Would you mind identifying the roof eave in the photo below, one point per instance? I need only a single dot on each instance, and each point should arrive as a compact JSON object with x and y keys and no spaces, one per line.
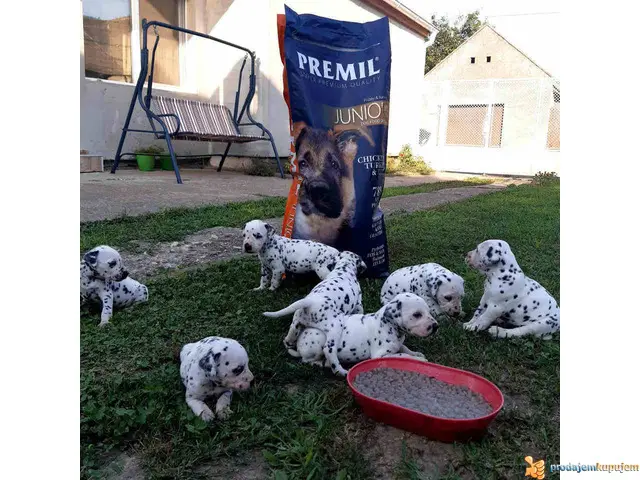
{"x":404,"y":16}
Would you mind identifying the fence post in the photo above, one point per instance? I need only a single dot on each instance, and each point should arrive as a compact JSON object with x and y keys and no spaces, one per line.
{"x":444,"y":113}
{"x":486,"y":131}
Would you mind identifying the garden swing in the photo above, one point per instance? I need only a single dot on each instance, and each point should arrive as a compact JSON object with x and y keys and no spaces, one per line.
{"x":180,"y":119}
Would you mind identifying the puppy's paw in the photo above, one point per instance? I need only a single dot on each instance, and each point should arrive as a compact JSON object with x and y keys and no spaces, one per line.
{"x":419,"y":356}
{"x":103,"y":323}
{"x":493,"y":331}
{"x":273,"y":287}
{"x":340,"y":371}
{"x":261,"y":287}
{"x":207,"y":415}
{"x":471,"y":326}
{"x":224,"y":412}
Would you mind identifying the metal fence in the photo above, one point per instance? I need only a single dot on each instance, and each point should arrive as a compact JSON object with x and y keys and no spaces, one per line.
{"x":492,"y":126}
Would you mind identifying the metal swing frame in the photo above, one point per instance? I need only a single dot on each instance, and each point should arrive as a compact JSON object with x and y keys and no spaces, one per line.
{"x":163,"y":131}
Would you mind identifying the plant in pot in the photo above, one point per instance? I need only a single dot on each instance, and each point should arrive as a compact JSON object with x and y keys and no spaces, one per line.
{"x":146,"y":157}
{"x":165,"y":161}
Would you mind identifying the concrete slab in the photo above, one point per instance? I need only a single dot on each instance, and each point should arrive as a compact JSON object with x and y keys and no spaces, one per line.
{"x":131,"y":192}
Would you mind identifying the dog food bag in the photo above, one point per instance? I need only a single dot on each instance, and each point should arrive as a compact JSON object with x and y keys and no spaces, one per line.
{"x":338,"y":79}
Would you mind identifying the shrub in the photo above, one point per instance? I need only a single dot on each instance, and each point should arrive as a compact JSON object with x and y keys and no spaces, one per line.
{"x":545,"y":178}
{"x":150,"y":150}
{"x":266,"y":167}
{"x":407,"y":162}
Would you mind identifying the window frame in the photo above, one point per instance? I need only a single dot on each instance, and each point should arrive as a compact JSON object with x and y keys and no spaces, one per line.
{"x":136,"y":46}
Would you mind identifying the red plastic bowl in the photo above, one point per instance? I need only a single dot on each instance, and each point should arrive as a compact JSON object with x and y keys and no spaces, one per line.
{"x":436,"y":428}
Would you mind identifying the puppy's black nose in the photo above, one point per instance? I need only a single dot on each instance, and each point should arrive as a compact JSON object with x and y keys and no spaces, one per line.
{"x":124,"y":275}
{"x":247,"y":247}
{"x":435,"y":328}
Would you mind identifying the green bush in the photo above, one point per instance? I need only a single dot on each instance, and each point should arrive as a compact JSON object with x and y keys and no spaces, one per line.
{"x":150,"y":150}
{"x":545,"y":178}
{"x":406,"y":162}
{"x":266,"y":167}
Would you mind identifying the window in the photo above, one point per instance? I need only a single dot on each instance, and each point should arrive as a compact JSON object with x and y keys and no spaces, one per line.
{"x":113,"y":38}
{"x":107,"y":39}
{"x":473,"y":59}
{"x":489,"y":59}
{"x":468,"y":125}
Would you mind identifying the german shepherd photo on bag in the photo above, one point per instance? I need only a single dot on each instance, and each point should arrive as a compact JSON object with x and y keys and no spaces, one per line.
{"x":337,"y":86}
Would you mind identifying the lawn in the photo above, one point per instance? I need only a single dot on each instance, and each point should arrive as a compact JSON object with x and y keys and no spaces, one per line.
{"x":176,"y":223}
{"x":298,"y":421}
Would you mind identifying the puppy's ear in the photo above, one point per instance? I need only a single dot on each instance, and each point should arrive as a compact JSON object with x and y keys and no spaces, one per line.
{"x":362,"y":266}
{"x":270,"y":229}
{"x":91,"y":257}
{"x":492,"y":255}
{"x":209,"y":361}
{"x":300,"y":130}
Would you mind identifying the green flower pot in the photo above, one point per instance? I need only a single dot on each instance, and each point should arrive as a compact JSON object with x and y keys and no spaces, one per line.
{"x":146,"y":163}
{"x":165,"y":162}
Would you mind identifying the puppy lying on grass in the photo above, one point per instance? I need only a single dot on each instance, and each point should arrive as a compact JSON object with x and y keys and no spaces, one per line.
{"x":213,"y":367}
{"x":104,"y":279}
{"x":375,"y":335}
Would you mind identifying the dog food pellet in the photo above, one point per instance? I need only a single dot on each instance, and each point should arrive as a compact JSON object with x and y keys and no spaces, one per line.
{"x":422,"y":393}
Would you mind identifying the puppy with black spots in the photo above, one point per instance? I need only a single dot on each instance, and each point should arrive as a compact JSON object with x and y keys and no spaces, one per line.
{"x":104,"y":279}
{"x":440,"y":288}
{"x":213,"y":367}
{"x":327,"y":306}
{"x":279,"y":254}
{"x":375,"y":335}
{"x":510,"y":299}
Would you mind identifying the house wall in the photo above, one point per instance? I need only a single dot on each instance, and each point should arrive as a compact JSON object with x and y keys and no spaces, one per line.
{"x":506,"y":61}
{"x":212,"y":75}
{"x":511,"y":80}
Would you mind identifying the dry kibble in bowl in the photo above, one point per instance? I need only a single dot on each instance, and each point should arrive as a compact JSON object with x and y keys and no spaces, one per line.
{"x":422,"y":393}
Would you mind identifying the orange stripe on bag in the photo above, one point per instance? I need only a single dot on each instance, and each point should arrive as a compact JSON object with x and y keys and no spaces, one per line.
{"x":292,"y":198}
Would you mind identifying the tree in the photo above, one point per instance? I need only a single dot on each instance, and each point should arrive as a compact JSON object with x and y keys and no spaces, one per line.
{"x":450,"y":36}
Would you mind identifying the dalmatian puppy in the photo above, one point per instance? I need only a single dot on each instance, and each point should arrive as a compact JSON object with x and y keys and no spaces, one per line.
{"x":213,"y":367}
{"x":374,"y":335}
{"x":510,"y":297}
{"x":327,"y":306}
{"x":104,"y":279}
{"x":279,"y":254}
{"x":440,"y":288}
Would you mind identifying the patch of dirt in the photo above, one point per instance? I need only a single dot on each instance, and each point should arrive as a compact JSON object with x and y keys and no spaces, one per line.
{"x":205,"y":246}
{"x":383,"y":447}
{"x":252,"y":466}
{"x":123,"y":467}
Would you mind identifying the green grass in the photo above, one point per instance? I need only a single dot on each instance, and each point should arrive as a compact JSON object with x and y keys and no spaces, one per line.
{"x":302,"y":421}
{"x":176,"y":223}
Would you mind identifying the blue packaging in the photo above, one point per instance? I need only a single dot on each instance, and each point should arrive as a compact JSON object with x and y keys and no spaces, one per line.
{"x":338,"y":76}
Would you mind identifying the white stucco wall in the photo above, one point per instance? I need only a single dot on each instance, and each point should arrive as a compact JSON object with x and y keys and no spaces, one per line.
{"x":212,"y":74}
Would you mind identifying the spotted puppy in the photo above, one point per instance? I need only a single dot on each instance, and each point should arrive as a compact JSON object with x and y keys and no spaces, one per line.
{"x":375,"y":335}
{"x":440,"y":288}
{"x":213,"y":367}
{"x":103,"y":278}
{"x":510,"y":299}
{"x":327,"y":306}
{"x":279,"y":254}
